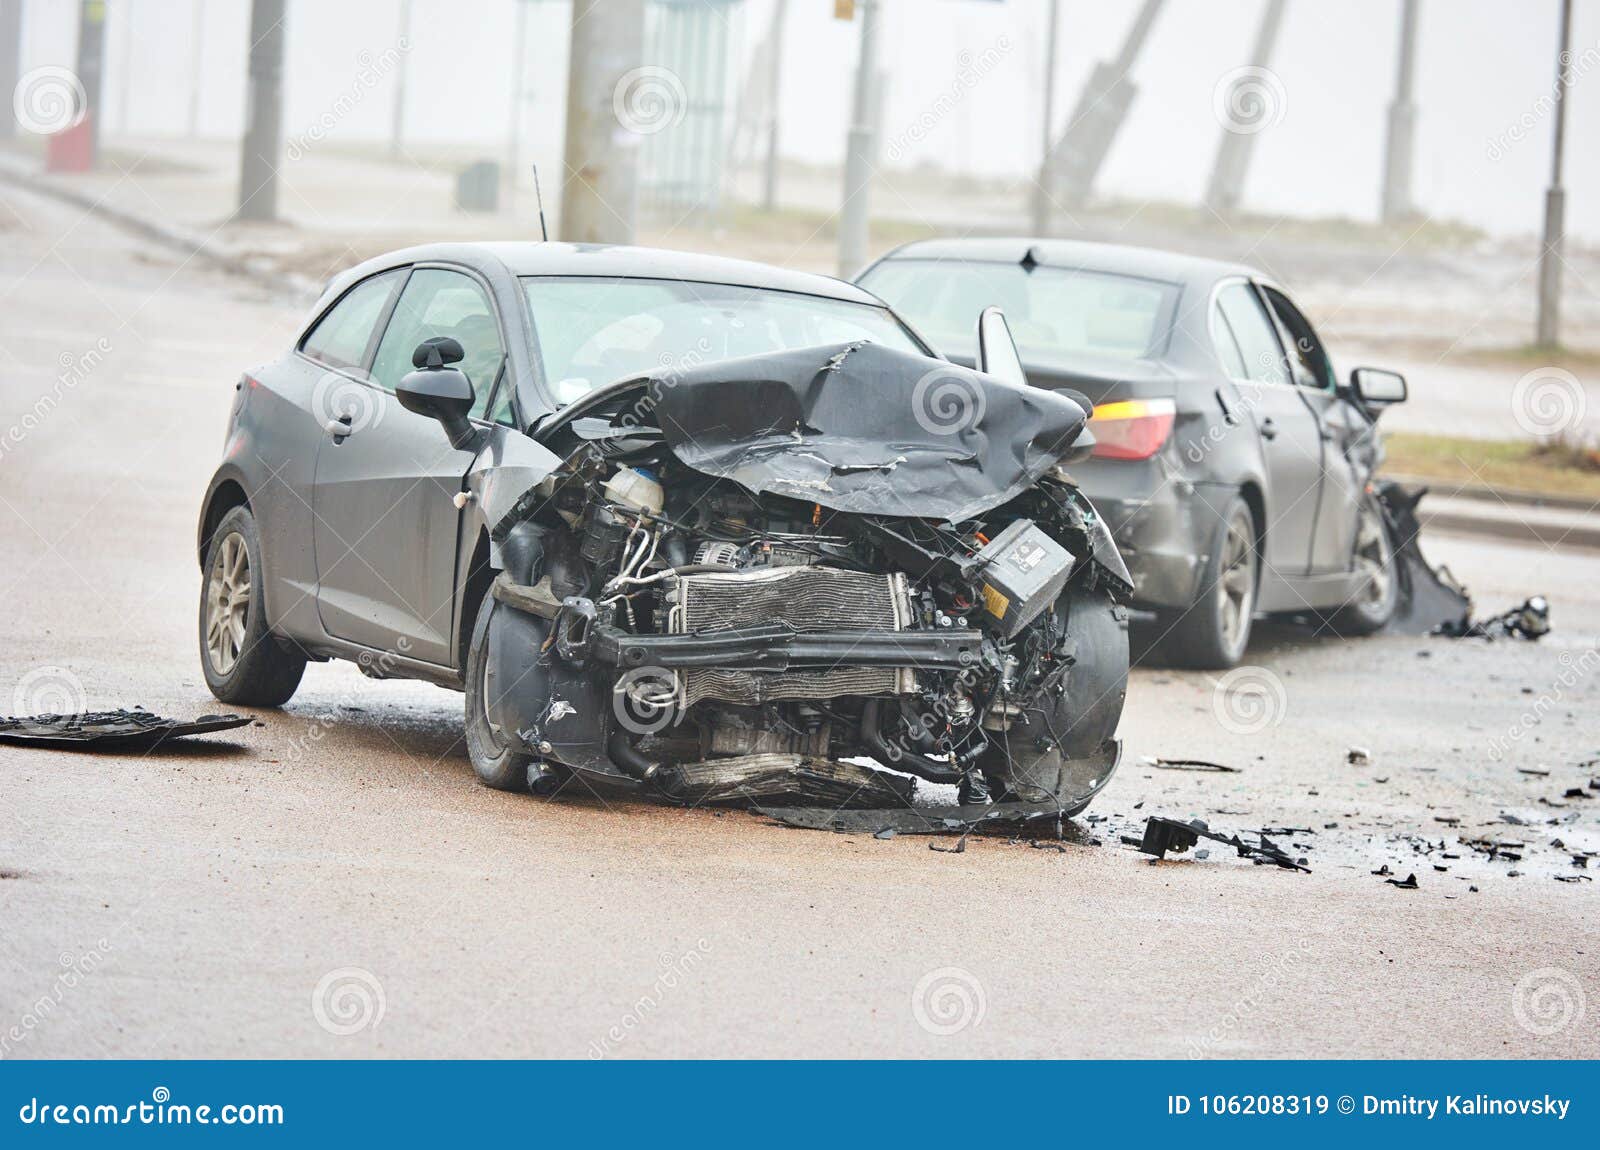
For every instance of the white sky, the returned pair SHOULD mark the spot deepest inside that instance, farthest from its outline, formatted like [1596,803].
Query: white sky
[1482,67]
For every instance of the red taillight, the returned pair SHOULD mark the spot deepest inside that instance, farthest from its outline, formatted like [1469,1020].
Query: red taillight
[1132,428]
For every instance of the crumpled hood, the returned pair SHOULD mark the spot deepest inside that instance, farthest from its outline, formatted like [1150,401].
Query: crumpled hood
[866,429]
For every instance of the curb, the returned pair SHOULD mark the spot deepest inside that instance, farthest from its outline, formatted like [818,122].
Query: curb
[1515,496]
[191,244]
[1571,531]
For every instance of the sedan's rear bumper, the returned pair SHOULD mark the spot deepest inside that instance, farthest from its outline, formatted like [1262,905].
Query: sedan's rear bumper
[1162,526]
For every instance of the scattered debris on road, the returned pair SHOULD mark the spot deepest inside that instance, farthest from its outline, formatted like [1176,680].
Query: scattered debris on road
[1358,756]
[110,730]
[1189,765]
[1407,883]
[1163,834]
[1528,620]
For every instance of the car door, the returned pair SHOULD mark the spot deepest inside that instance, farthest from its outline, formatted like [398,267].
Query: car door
[387,527]
[1291,441]
[1347,436]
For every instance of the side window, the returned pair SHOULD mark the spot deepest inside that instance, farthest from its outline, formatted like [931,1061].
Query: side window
[1309,358]
[1227,347]
[341,336]
[1252,328]
[501,412]
[440,302]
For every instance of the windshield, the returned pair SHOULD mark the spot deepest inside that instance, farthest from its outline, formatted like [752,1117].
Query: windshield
[594,331]
[1056,314]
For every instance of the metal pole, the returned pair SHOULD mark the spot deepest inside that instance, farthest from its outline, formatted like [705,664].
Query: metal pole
[91,67]
[10,60]
[1226,185]
[769,185]
[263,133]
[519,47]
[860,147]
[397,123]
[124,66]
[600,193]
[197,55]
[1555,200]
[1044,190]
[1397,203]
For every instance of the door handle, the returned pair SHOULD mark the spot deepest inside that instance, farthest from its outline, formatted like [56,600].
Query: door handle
[338,427]
[1269,430]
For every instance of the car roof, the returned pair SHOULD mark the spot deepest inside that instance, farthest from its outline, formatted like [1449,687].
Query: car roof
[1124,259]
[550,258]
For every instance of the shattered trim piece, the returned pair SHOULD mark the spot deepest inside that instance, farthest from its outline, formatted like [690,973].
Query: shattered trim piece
[110,730]
[1163,834]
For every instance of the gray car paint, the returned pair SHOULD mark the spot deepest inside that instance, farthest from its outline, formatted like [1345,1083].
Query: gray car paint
[403,608]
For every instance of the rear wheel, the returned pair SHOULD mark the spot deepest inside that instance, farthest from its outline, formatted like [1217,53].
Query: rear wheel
[1214,632]
[242,661]
[1374,604]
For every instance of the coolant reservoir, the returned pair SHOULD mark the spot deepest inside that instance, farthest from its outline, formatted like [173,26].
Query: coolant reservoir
[635,489]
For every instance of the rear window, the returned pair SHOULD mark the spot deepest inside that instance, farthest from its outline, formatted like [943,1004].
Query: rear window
[1057,315]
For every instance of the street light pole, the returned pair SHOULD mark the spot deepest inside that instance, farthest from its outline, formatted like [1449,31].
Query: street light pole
[1397,203]
[1044,186]
[397,125]
[600,194]
[10,60]
[859,150]
[197,55]
[263,134]
[1555,200]
[769,183]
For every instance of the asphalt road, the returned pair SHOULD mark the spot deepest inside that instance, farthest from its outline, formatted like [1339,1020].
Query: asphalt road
[333,882]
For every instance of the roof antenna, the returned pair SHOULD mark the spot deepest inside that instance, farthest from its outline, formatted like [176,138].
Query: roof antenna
[544,232]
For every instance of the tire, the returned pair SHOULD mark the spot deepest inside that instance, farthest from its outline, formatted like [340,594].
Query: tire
[1214,632]
[1029,763]
[243,662]
[1375,605]
[494,760]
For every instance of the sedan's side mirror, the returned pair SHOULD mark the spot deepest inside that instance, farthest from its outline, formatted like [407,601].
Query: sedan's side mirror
[440,392]
[997,351]
[1375,387]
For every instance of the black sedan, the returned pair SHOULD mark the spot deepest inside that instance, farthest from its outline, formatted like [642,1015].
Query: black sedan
[1234,466]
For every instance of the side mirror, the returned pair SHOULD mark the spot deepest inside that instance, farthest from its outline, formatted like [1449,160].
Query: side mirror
[997,351]
[1375,387]
[441,393]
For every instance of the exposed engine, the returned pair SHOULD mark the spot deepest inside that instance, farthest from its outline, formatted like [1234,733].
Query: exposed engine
[718,641]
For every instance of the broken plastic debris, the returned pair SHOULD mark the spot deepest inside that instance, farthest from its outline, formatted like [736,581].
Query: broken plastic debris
[1162,835]
[1358,756]
[107,730]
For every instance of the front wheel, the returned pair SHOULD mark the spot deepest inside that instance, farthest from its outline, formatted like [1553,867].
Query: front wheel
[495,759]
[1213,633]
[1374,605]
[242,661]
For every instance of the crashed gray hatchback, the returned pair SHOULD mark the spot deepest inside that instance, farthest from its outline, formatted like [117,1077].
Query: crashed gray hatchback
[689,525]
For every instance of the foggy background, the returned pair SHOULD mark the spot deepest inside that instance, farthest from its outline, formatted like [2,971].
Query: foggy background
[1483,69]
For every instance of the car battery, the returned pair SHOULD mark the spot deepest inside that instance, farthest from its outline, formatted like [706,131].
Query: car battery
[1023,571]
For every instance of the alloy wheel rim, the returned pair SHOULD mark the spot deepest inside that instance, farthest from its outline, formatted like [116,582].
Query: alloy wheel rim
[1236,582]
[227,603]
[1373,556]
